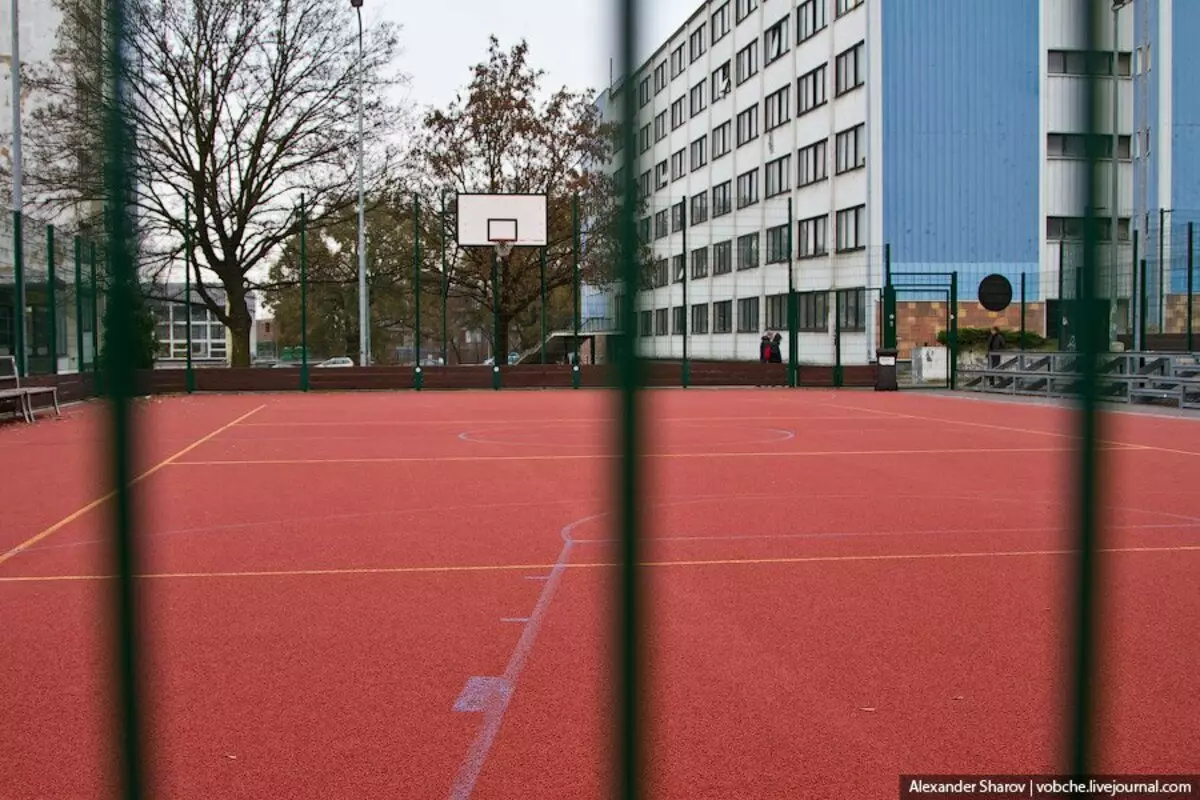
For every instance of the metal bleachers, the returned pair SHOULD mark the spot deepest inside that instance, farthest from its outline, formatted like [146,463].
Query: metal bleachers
[1171,379]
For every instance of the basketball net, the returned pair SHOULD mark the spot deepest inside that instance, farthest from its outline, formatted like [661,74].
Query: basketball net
[504,249]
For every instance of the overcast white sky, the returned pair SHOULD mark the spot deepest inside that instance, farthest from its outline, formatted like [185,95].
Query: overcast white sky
[572,40]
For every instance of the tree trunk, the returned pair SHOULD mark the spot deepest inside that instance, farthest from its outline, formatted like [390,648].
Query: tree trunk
[239,328]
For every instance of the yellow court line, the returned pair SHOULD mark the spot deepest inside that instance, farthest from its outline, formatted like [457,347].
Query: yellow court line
[723,562]
[596,456]
[67,520]
[541,421]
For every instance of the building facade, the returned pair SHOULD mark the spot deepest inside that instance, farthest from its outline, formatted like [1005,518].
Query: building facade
[211,341]
[928,136]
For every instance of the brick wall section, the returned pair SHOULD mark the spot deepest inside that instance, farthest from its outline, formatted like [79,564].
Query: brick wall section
[918,322]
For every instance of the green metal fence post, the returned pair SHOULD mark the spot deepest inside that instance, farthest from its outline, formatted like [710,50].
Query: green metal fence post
[418,374]
[575,287]
[79,305]
[889,302]
[1143,304]
[445,292]
[953,337]
[96,386]
[542,278]
[187,289]
[1134,303]
[686,371]
[1190,290]
[19,296]
[793,334]
[1062,300]
[52,297]
[1022,340]
[837,339]
[303,295]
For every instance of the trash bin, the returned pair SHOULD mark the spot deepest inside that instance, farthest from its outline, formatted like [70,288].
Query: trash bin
[885,372]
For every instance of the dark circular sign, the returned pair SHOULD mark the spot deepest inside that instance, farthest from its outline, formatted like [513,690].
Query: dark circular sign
[995,293]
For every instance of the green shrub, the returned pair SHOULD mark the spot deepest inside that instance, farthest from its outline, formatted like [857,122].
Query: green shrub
[977,339]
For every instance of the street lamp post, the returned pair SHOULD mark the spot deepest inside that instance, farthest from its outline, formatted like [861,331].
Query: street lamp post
[364,312]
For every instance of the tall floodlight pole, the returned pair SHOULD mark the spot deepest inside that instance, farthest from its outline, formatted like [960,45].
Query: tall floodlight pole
[364,313]
[18,201]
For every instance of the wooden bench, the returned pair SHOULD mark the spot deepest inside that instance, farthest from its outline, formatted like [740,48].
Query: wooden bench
[11,390]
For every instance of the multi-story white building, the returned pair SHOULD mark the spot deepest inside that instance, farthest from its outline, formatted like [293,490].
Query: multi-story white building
[212,342]
[950,132]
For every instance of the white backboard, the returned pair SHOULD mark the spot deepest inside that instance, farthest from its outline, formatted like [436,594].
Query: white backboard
[485,218]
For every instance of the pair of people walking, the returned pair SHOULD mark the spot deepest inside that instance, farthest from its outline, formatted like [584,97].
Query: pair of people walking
[769,351]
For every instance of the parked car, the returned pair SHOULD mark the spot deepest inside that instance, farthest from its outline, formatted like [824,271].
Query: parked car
[338,361]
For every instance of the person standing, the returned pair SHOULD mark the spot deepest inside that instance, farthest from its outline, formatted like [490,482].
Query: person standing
[775,355]
[764,348]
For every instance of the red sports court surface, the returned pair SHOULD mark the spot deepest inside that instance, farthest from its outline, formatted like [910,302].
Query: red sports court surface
[411,595]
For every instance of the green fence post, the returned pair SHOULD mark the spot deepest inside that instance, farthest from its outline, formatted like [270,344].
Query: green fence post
[575,286]
[1062,286]
[95,322]
[187,289]
[1134,304]
[686,372]
[1143,304]
[496,322]
[303,295]
[1190,279]
[792,322]
[418,375]
[889,302]
[1022,340]
[52,297]
[953,338]
[19,296]
[445,292]
[837,339]
[79,305]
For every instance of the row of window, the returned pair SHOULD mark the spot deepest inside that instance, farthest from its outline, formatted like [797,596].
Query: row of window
[850,153]
[812,240]
[812,315]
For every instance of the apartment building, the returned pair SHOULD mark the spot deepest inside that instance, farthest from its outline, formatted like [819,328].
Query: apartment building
[949,131]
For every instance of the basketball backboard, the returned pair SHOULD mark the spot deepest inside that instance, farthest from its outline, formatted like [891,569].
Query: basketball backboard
[485,220]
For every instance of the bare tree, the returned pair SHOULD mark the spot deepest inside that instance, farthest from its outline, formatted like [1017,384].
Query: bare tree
[238,107]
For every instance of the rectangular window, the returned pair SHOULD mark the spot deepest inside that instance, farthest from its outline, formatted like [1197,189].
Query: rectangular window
[849,69]
[747,62]
[720,83]
[644,230]
[697,42]
[810,90]
[662,273]
[660,175]
[644,184]
[722,257]
[778,176]
[699,153]
[678,266]
[851,147]
[700,263]
[720,23]
[744,7]
[852,309]
[678,114]
[678,320]
[644,92]
[700,318]
[846,6]
[748,315]
[660,77]
[777,108]
[723,316]
[810,19]
[646,320]
[812,237]
[747,125]
[1074,62]
[678,62]
[660,321]
[777,318]
[747,251]
[813,163]
[777,244]
[678,164]
[644,138]
[720,137]
[661,227]
[696,99]
[660,127]
[1059,228]
[850,228]
[775,41]
[1074,145]
[812,312]
[699,208]
[677,216]
[747,188]
[721,204]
